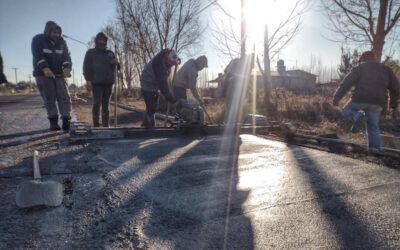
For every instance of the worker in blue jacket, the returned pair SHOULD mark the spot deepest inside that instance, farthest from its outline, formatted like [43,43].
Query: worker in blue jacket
[154,79]
[99,71]
[51,64]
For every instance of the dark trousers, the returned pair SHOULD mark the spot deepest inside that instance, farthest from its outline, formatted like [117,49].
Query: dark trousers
[101,97]
[150,99]
[179,93]
[55,94]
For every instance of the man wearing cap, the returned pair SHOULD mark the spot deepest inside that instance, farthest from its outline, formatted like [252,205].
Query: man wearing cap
[371,81]
[154,79]
[51,64]
[99,71]
[186,78]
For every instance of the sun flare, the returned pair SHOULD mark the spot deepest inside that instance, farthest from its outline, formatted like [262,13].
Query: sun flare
[258,13]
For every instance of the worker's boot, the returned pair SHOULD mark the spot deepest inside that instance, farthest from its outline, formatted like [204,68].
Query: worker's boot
[145,122]
[148,122]
[105,120]
[54,123]
[152,122]
[96,122]
[66,122]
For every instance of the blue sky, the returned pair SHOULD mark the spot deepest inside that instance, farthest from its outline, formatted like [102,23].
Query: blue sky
[20,20]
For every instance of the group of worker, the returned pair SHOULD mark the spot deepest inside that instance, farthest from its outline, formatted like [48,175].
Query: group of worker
[371,81]
[52,64]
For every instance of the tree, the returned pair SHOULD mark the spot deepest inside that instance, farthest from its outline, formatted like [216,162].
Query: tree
[143,28]
[394,65]
[227,40]
[348,61]
[366,22]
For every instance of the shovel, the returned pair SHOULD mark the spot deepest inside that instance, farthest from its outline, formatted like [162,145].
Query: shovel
[35,192]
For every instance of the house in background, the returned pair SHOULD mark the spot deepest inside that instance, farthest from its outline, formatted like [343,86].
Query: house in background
[298,80]
[295,80]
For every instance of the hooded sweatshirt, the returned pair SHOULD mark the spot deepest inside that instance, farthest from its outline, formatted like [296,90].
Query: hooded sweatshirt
[186,77]
[50,54]
[97,66]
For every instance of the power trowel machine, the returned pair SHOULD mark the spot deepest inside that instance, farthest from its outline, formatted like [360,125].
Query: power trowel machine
[189,114]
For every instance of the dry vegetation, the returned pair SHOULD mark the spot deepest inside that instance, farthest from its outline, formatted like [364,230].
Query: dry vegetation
[312,113]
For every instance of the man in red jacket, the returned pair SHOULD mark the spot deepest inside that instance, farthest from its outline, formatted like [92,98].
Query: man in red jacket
[154,79]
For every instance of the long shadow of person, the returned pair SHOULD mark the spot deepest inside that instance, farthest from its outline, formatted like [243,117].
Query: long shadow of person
[349,226]
[195,203]
[184,196]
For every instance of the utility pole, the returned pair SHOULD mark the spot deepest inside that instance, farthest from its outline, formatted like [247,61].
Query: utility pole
[16,78]
[243,32]
[29,76]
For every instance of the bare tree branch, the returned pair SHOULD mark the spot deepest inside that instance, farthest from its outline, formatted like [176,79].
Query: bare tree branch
[364,22]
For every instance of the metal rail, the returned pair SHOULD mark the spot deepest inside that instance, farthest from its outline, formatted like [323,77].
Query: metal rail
[82,131]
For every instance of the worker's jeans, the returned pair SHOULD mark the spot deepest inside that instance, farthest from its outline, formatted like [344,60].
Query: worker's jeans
[101,97]
[54,90]
[355,110]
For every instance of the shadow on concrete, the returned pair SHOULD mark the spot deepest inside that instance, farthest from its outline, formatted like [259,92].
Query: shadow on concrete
[27,139]
[196,205]
[186,201]
[351,231]
[33,132]
[191,203]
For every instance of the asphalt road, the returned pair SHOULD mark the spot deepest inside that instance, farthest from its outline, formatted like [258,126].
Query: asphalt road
[216,192]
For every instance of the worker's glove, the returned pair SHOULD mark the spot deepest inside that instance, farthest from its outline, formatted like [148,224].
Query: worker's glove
[48,73]
[114,61]
[335,103]
[66,72]
[89,86]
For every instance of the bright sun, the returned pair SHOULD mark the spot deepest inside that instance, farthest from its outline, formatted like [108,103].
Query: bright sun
[261,12]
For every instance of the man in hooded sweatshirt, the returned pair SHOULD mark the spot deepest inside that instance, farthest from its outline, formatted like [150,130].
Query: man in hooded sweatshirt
[51,64]
[99,71]
[154,78]
[186,78]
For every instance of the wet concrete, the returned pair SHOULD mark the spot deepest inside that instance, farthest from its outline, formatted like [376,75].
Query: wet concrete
[216,192]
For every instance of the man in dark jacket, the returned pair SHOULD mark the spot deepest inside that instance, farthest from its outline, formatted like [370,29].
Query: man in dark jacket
[371,81]
[154,78]
[99,71]
[51,64]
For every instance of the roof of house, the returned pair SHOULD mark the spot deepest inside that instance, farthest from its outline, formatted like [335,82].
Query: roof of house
[297,72]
